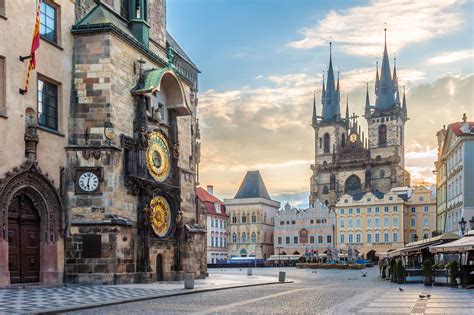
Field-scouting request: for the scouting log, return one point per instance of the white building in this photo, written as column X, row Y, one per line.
column 216, row 225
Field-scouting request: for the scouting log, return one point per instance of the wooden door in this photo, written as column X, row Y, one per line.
column 23, row 238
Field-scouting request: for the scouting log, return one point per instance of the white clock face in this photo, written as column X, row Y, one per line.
column 88, row 181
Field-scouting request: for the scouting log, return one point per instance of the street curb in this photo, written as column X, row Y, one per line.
column 152, row 297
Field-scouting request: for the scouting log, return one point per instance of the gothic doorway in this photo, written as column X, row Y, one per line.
column 23, row 240
column 159, row 268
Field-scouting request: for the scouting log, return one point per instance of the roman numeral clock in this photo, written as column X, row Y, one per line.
column 87, row 180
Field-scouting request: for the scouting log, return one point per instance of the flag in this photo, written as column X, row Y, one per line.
column 35, row 43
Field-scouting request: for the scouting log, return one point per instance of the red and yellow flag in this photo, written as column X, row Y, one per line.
column 35, row 43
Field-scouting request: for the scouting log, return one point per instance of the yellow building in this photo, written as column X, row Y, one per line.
column 373, row 223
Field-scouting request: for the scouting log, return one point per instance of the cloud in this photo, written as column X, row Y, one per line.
column 452, row 56
column 358, row 30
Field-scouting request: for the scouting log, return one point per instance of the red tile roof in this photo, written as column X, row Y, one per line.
column 456, row 128
column 208, row 200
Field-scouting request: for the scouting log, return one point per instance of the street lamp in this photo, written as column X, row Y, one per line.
column 471, row 222
column 462, row 225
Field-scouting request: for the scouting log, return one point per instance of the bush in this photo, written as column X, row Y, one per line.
column 439, row 265
column 453, row 268
column 400, row 272
column 427, row 268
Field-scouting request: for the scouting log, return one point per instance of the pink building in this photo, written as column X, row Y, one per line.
column 300, row 231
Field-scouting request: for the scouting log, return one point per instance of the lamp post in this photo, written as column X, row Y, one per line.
column 471, row 222
column 462, row 225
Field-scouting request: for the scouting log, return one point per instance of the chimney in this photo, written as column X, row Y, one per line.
column 210, row 190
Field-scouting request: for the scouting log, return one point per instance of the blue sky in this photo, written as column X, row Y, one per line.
column 261, row 60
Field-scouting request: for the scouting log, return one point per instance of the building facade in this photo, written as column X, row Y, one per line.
column 348, row 162
column 251, row 219
column 108, row 168
column 216, row 224
column 304, row 231
column 34, row 127
column 454, row 169
column 375, row 223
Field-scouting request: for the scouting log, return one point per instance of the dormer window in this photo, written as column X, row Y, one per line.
column 217, row 206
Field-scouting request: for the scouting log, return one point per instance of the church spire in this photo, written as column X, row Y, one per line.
column 367, row 101
column 404, row 104
column 331, row 109
column 395, row 81
column 385, row 90
column 347, row 109
column 315, row 116
column 377, row 76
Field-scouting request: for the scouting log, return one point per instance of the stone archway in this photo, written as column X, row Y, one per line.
column 30, row 184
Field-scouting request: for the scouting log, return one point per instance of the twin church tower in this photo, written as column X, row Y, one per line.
column 348, row 162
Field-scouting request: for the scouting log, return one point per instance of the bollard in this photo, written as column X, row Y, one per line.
column 281, row 276
column 249, row 272
column 189, row 280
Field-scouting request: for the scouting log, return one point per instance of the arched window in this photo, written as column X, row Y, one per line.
column 343, row 140
column 244, row 238
column 254, row 237
column 352, row 185
column 325, row 190
column 234, row 237
column 244, row 218
column 254, row 218
column 326, row 143
column 382, row 135
column 401, row 135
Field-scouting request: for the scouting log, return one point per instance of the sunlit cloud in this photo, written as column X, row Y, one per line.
column 452, row 56
column 359, row 30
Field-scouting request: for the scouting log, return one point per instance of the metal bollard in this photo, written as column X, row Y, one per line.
column 249, row 272
column 281, row 276
column 189, row 280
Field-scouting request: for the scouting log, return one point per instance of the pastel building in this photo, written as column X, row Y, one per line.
column 251, row 218
column 300, row 231
column 216, row 224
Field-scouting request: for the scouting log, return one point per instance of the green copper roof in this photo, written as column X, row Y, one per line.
column 151, row 80
column 102, row 15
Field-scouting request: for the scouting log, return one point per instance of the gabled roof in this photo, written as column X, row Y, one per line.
column 252, row 187
column 209, row 201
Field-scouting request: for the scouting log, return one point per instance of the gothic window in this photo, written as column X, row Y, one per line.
column 244, row 238
column 382, row 135
column 353, row 185
column 254, row 237
column 326, row 143
column 325, row 190
column 382, row 173
column 343, row 140
column 234, row 238
column 401, row 135
column 234, row 219
column 244, row 218
column 254, row 218
column 332, row 181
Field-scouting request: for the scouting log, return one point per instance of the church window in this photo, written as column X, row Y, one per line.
column 326, row 143
column 382, row 135
column 353, row 185
column 382, row 173
column 325, row 190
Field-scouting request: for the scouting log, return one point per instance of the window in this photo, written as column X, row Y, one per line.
column 413, row 209
column 47, row 104
column 395, row 208
column 341, row 211
column 386, row 221
column 369, row 237
column 325, row 190
column 377, row 222
column 342, row 237
column 351, row 238
column 311, row 239
column 425, row 235
column 358, row 223
column 342, row 223
column 234, row 238
column 295, row 239
column 357, row 210
column 234, row 219
column 48, row 22
column 369, row 199
column 390, row 198
column 382, row 174
column 329, row 239
column 395, row 221
column 293, row 222
column 386, row 237
column 254, row 218
column 320, row 142
column 92, row 246
column 412, row 236
column 3, row 82
column 350, row 223
column 353, row 185
column 244, row 218
column 377, row 237
column 426, row 208
column 320, row 239
column 212, row 222
column 369, row 222
column 282, row 222
column 426, row 222
column 377, row 210
column 254, row 237
column 385, row 209
column 421, row 198
column 311, row 221
column 369, row 210
column 382, row 135
column 395, row 237
column 358, row 240
column 350, row 210
column 287, row 240
column 279, row 240
column 412, row 222
column 212, row 241
column 244, row 237
column 326, row 143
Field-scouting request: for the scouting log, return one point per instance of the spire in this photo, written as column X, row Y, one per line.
column 331, row 109
column 404, row 104
column 395, row 81
column 315, row 117
column 347, row 109
column 337, row 88
column 323, row 93
column 367, row 101
column 385, row 88
column 377, row 76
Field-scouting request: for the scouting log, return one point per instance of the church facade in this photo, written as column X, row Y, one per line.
column 346, row 160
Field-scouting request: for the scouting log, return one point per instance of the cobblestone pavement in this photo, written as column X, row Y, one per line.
column 55, row 299
column 313, row 292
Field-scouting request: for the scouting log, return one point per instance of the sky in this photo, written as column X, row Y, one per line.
column 262, row 60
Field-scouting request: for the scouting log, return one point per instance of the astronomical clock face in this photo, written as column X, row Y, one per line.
column 160, row 216
column 353, row 137
column 158, row 157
